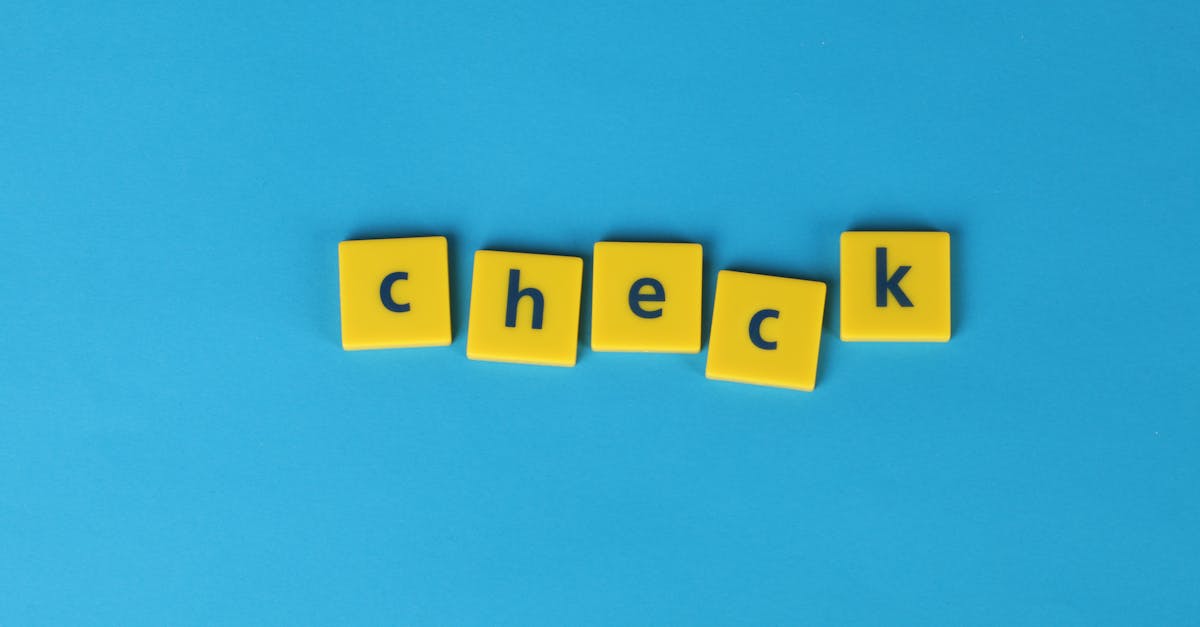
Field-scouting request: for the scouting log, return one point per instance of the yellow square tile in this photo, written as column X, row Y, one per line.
column 395, row 292
column 895, row 286
column 646, row 297
column 766, row 330
column 525, row 308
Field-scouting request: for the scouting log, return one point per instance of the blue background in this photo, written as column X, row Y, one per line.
column 183, row 441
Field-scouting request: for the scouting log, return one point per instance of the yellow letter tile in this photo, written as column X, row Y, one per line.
column 395, row 292
column 895, row 286
column 766, row 330
column 646, row 297
column 525, row 308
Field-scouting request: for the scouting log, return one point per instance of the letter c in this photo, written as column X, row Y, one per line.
column 756, row 328
column 385, row 292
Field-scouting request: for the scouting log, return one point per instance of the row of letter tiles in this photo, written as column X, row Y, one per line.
column 646, row 297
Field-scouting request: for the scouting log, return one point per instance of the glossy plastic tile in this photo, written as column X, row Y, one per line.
column 525, row 308
column 395, row 292
column 895, row 286
column 766, row 330
column 646, row 297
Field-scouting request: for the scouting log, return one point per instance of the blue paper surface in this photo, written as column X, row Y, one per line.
column 183, row 441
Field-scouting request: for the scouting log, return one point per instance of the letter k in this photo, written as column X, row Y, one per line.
column 885, row 284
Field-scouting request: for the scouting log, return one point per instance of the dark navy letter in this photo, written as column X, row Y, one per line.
column 385, row 292
column 884, row 284
column 515, row 294
column 756, row 329
column 636, row 297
